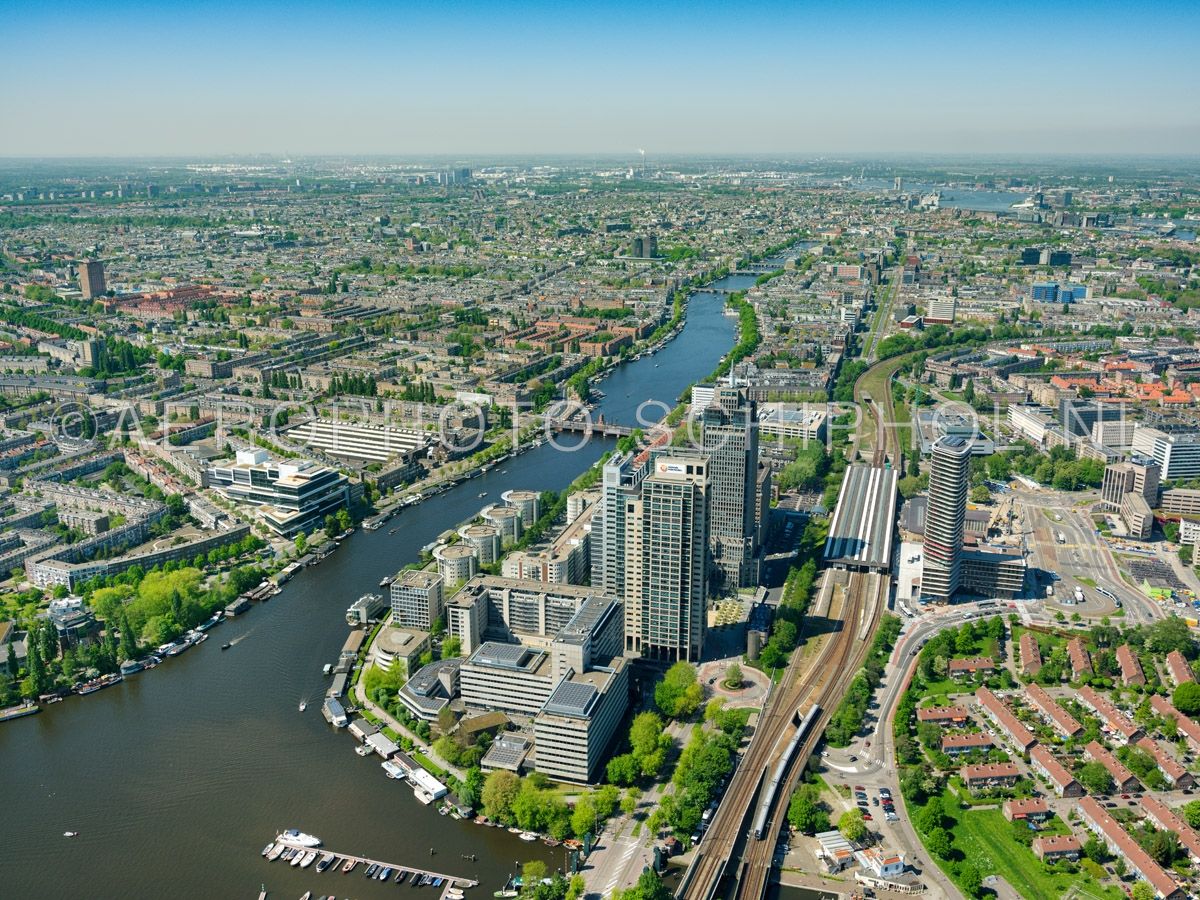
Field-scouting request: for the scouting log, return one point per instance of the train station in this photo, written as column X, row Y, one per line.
column 863, row 527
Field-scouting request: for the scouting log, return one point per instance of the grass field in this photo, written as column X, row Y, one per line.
column 984, row 837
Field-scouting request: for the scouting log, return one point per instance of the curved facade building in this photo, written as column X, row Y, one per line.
column 485, row 539
column 456, row 562
column 528, row 502
column 508, row 520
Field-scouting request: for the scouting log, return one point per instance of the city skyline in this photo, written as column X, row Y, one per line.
column 518, row 79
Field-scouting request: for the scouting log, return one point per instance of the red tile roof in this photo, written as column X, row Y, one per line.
column 1113, row 717
column 1178, row 666
column 1005, row 720
column 1061, row 719
column 1131, row 666
column 1117, row 837
column 1121, row 775
column 1081, row 661
column 1166, row 818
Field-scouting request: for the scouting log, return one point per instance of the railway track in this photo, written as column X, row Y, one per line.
column 823, row 683
column 831, row 684
column 728, row 849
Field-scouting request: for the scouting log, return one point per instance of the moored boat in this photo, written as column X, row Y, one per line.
column 349, row 865
column 299, row 838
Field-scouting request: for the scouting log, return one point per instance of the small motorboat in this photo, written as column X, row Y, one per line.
column 226, row 645
column 303, row 705
column 70, row 834
column 392, row 530
column 349, row 865
column 528, row 836
column 307, row 895
column 267, row 849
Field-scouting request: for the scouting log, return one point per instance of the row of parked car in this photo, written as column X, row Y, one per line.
column 884, row 800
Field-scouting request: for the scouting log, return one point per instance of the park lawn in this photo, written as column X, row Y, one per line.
column 1047, row 642
column 984, row 837
column 944, row 687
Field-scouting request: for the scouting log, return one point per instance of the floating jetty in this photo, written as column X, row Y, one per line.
column 346, row 863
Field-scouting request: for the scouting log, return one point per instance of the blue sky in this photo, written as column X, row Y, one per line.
column 129, row 78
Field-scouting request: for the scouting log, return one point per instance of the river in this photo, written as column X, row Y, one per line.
column 177, row 778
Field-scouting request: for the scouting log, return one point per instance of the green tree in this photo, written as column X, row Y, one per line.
column 1186, row 698
column 532, row 874
column 1191, row 813
column 471, row 790
column 623, row 769
column 939, row 843
column 301, row 543
column 451, row 647
column 970, row 880
column 852, row 826
column 583, row 816
column 805, row 811
column 679, row 694
column 1095, row 778
column 1142, row 891
column 129, row 646
column 733, row 677
column 343, row 519
column 500, row 789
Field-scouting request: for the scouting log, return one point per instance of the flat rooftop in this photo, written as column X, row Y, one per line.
column 864, row 522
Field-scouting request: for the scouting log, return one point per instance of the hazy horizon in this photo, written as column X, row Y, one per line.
column 124, row 79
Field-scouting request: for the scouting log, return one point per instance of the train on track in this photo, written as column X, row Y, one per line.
column 768, row 798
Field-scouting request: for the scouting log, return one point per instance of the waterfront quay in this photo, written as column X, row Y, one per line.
column 254, row 761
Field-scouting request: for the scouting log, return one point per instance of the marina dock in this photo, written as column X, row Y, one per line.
column 412, row 874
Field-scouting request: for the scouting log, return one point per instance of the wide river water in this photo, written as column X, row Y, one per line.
column 176, row 779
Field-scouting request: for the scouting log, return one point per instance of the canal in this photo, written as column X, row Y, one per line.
column 176, row 779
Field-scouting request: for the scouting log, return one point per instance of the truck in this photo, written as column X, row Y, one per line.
column 1049, row 590
column 1079, row 598
column 1061, row 538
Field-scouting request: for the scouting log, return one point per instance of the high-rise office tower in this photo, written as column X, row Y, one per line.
column 91, row 278
column 673, row 525
column 729, row 435
column 945, row 518
column 620, row 484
